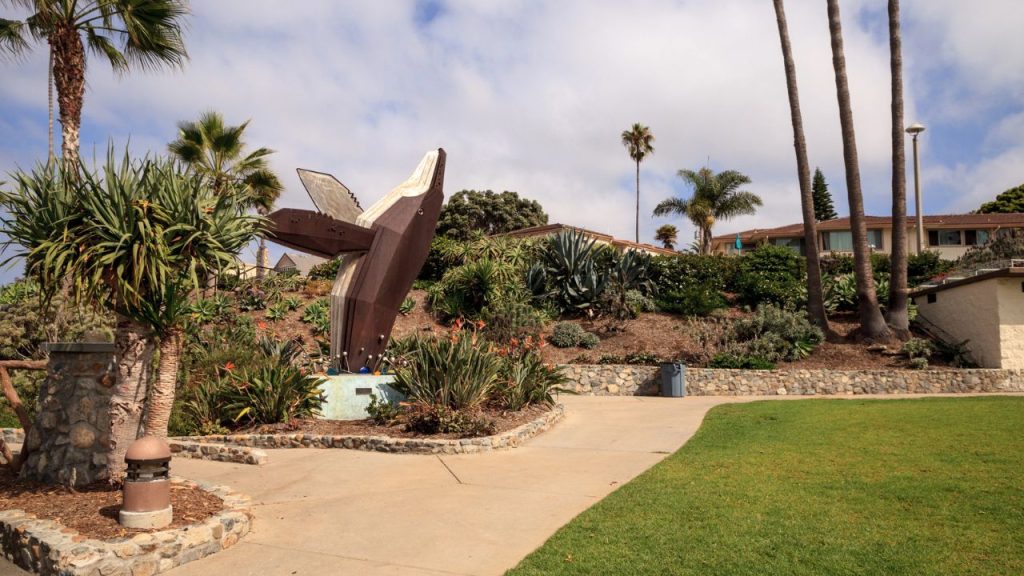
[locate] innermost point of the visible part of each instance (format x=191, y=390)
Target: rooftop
x=1014, y=220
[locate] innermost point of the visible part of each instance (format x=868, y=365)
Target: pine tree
x=823, y=208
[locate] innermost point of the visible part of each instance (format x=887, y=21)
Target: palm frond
x=13, y=37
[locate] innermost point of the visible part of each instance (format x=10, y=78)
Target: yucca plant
x=453, y=372
x=527, y=380
x=273, y=394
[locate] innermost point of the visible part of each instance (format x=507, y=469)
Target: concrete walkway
x=349, y=512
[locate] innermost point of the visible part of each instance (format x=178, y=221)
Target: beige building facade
x=949, y=235
x=985, y=310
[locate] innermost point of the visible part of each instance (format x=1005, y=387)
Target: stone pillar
x=70, y=439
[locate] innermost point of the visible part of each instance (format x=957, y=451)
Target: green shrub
x=741, y=362
x=691, y=301
x=638, y=302
x=841, y=292
x=277, y=311
x=566, y=335
x=918, y=363
x=382, y=411
x=589, y=341
x=508, y=319
x=325, y=270
x=924, y=266
x=253, y=297
x=772, y=275
x=26, y=322
x=684, y=272
x=215, y=308
x=439, y=419
x=773, y=334
x=918, y=348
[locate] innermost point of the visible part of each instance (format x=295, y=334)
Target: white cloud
x=532, y=96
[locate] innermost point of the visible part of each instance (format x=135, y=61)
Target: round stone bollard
x=147, y=485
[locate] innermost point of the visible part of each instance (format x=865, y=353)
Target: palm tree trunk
x=161, y=396
x=871, y=321
x=815, y=298
x=705, y=241
x=69, y=78
x=637, y=202
x=897, y=311
x=49, y=105
x=134, y=357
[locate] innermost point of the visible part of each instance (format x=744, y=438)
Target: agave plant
x=572, y=272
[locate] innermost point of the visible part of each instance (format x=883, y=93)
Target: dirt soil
x=503, y=422
x=666, y=336
x=92, y=510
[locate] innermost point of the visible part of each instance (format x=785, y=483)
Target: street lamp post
x=915, y=129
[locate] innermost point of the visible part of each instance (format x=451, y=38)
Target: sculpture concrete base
x=145, y=520
x=348, y=395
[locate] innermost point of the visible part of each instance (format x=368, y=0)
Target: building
x=986, y=310
x=297, y=262
x=551, y=229
x=950, y=235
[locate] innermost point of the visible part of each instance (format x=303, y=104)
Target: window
x=945, y=238
x=976, y=237
x=794, y=244
x=843, y=241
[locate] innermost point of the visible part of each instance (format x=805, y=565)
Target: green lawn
x=923, y=486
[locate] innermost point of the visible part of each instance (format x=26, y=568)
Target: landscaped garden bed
x=922, y=486
x=54, y=530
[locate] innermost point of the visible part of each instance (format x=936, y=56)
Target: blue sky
x=531, y=96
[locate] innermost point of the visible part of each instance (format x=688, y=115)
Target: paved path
x=349, y=512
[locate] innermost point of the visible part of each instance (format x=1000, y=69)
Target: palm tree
x=898, y=316
x=871, y=321
x=815, y=298
x=667, y=234
x=131, y=236
x=217, y=153
x=639, y=141
x=126, y=33
x=715, y=197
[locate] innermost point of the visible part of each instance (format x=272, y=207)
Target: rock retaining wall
x=70, y=440
x=217, y=452
x=510, y=439
x=622, y=380
x=47, y=548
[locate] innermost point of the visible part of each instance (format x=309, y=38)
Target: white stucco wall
x=969, y=312
x=1011, y=321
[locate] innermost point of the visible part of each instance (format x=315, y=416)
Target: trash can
x=673, y=379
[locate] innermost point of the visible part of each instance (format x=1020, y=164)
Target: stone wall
x=70, y=439
x=620, y=380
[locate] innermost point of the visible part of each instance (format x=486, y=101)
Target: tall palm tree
x=667, y=234
x=217, y=153
x=145, y=34
x=131, y=236
x=871, y=321
x=715, y=197
x=898, y=316
x=639, y=142
x=815, y=297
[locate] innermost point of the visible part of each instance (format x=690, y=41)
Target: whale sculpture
x=382, y=249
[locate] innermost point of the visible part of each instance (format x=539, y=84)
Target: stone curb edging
x=630, y=380
x=217, y=452
x=509, y=439
x=13, y=435
x=47, y=548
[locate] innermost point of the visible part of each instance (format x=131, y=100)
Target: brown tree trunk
x=161, y=396
x=871, y=321
x=637, y=202
x=815, y=298
x=69, y=77
x=133, y=351
x=897, y=314
x=14, y=462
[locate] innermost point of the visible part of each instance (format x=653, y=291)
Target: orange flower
x=458, y=324
x=514, y=342
x=480, y=324
x=261, y=325
x=229, y=366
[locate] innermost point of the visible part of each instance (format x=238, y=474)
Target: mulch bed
x=503, y=422
x=92, y=510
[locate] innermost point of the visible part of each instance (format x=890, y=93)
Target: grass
x=923, y=486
